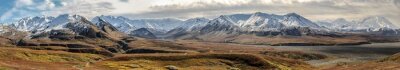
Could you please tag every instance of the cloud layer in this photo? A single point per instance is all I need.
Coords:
(312, 9)
(322, 9)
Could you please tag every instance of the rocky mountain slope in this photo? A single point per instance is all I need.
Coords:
(127, 25)
(33, 23)
(225, 28)
(144, 33)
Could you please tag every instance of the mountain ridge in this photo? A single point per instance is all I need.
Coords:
(368, 24)
(234, 24)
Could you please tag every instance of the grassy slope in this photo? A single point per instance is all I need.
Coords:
(294, 55)
(389, 63)
(20, 58)
(211, 57)
(197, 61)
(393, 58)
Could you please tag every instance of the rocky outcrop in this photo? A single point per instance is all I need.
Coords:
(105, 26)
(143, 32)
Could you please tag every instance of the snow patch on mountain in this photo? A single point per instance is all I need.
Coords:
(264, 22)
(127, 25)
(293, 19)
(32, 23)
(61, 21)
(258, 21)
(191, 23)
(121, 23)
(374, 23)
(165, 24)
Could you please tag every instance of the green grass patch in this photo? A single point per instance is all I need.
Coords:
(47, 56)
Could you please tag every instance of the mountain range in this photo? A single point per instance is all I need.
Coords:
(222, 28)
(368, 24)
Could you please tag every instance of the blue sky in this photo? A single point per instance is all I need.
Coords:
(12, 10)
(5, 6)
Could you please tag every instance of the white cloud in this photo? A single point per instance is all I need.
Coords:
(47, 4)
(15, 9)
(25, 8)
(24, 2)
(91, 8)
(81, 7)
(64, 3)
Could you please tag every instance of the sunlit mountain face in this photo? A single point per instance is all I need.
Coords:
(199, 34)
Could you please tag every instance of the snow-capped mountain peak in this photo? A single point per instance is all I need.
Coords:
(339, 23)
(225, 20)
(374, 23)
(60, 21)
(127, 25)
(193, 22)
(262, 21)
(265, 22)
(236, 19)
(377, 22)
(293, 19)
(32, 23)
(257, 21)
(121, 23)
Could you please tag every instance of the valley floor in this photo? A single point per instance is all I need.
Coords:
(209, 56)
(346, 54)
(337, 54)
